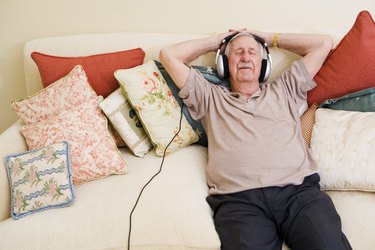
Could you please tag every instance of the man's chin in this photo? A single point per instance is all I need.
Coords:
(246, 78)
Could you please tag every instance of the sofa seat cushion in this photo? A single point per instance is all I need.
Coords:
(356, 210)
(171, 214)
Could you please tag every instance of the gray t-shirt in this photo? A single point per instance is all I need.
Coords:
(257, 142)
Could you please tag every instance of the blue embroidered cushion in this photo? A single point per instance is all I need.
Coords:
(40, 179)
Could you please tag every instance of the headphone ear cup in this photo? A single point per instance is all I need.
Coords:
(265, 71)
(225, 67)
(222, 66)
(219, 65)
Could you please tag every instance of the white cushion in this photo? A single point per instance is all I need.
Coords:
(118, 111)
(343, 144)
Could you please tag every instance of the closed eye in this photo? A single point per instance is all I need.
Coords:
(239, 52)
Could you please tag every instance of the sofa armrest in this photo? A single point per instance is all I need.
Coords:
(11, 142)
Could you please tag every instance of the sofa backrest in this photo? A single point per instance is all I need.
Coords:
(151, 43)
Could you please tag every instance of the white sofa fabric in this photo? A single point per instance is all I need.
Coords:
(172, 213)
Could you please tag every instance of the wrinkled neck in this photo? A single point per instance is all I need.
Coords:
(245, 88)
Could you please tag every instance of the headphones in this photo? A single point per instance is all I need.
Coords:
(222, 59)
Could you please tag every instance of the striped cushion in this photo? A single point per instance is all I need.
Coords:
(307, 123)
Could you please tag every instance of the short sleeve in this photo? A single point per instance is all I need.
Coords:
(196, 93)
(297, 83)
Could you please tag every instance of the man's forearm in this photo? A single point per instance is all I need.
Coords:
(187, 51)
(301, 44)
(176, 58)
(313, 48)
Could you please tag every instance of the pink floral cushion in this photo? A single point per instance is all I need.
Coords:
(94, 154)
(68, 92)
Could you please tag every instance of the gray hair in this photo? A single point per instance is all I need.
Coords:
(227, 48)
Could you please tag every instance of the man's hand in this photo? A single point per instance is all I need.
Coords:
(314, 48)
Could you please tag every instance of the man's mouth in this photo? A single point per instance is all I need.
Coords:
(245, 66)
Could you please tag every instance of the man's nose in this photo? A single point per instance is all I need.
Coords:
(245, 57)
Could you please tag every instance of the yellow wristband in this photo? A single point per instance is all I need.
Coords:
(276, 39)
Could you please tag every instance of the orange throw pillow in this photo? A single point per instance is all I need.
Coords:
(350, 66)
(99, 68)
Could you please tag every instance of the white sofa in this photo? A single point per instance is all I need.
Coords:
(172, 213)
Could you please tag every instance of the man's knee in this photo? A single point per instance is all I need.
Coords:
(240, 228)
(317, 226)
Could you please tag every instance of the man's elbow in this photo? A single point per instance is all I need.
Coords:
(327, 43)
(164, 55)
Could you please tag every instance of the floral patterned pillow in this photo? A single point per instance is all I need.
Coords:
(40, 179)
(126, 123)
(94, 154)
(148, 93)
(68, 92)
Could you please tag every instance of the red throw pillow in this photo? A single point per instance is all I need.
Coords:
(99, 68)
(350, 66)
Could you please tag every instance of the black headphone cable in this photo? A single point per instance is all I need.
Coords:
(159, 171)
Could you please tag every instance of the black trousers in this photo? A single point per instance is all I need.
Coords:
(301, 215)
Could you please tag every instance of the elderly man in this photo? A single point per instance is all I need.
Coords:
(263, 181)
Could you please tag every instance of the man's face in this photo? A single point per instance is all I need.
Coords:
(244, 59)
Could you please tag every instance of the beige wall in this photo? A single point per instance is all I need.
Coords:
(22, 20)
